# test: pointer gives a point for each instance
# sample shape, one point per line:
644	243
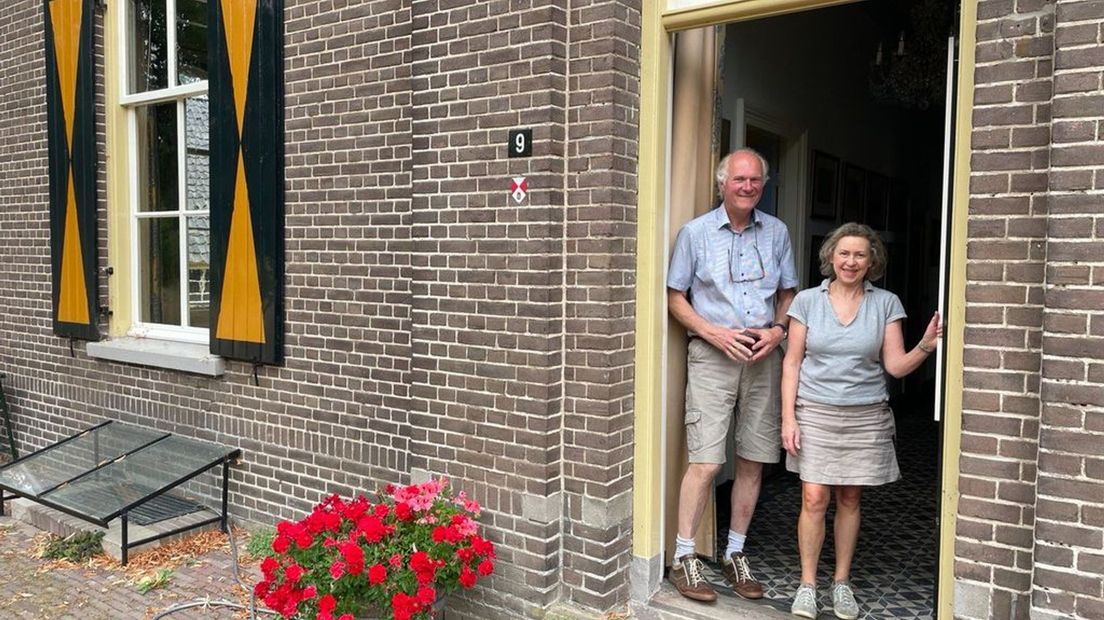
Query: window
164	92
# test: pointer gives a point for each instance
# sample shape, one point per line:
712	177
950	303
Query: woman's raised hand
934	333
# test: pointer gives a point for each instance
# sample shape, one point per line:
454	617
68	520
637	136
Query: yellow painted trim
118	180
956	308
650	306
737	10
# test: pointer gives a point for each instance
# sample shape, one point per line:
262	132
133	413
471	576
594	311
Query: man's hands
744	345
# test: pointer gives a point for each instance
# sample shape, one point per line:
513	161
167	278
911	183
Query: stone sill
172	355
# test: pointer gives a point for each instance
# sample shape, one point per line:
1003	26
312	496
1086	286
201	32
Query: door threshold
668	604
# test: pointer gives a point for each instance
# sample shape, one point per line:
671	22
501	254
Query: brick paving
32	588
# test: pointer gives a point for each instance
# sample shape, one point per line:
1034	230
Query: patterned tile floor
893	572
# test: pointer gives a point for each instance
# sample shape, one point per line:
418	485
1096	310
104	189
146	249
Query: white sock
683	546
735	543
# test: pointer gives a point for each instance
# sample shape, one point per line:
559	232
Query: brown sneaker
737	572
688	575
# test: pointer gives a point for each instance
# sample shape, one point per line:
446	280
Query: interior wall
799	69
809	71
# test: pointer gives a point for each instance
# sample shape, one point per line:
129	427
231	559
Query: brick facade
432	327
436	326
1029	540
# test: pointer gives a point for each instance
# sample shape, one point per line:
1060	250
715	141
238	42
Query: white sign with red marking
519	189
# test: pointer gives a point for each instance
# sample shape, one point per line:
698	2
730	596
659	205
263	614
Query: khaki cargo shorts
718	389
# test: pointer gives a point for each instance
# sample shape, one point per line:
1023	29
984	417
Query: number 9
519	143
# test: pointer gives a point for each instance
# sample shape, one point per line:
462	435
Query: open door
693	192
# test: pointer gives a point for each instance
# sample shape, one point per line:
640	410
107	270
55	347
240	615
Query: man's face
744	186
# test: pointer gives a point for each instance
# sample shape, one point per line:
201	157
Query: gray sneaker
843	601
804	603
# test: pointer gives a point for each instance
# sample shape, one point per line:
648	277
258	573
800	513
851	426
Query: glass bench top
110	468
68	459
107	492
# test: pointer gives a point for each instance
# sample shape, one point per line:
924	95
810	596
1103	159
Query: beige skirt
845	445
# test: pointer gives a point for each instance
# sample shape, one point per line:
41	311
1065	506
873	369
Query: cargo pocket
694	438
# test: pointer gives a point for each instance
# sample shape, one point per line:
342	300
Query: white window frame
131	102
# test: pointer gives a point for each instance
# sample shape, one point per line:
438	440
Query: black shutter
71	152
247	179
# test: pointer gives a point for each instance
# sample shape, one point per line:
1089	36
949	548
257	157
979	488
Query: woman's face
851	259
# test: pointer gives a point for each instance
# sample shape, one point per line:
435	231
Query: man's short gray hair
721	174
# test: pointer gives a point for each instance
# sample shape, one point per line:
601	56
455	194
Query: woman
837	428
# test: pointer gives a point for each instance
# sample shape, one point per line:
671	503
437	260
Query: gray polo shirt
731	277
843	364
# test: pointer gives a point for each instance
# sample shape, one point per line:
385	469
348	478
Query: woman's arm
897	362
791	368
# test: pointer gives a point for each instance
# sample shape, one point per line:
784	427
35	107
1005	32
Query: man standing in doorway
730	283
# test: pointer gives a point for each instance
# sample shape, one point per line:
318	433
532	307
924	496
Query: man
730	283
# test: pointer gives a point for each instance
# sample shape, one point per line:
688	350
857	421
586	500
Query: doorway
829	97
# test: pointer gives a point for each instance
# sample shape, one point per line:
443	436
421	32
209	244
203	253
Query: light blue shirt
843	363
731	277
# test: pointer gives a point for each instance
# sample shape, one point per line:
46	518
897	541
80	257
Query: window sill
172	355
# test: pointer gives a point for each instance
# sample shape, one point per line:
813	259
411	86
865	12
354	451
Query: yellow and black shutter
247	179
71	152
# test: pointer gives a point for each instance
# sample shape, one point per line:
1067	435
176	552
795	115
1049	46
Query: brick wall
433	324
599	325
1006	256
1069	533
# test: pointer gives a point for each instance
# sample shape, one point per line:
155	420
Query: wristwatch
785	332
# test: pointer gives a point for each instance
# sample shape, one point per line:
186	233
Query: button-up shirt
731	277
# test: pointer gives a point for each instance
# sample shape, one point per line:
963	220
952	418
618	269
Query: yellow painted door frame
657	27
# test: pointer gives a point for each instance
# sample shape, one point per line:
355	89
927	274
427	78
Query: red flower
403	511
396	561
486	567
467	577
372	528
465	554
482	546
377	574
293	573
382	511
261	589
337	569
268	567
327	604
426	595
280	544
345	617
420	561
354	557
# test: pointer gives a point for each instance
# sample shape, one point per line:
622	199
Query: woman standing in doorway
837	427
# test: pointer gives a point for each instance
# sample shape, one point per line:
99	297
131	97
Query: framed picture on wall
877	201
854	192
825	185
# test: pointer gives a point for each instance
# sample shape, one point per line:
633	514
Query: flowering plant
392	557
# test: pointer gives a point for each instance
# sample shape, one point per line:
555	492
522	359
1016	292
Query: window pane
149	46
159	248
157	167
196	166
191	40
199	264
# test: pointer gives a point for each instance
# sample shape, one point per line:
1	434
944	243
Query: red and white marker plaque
519	189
